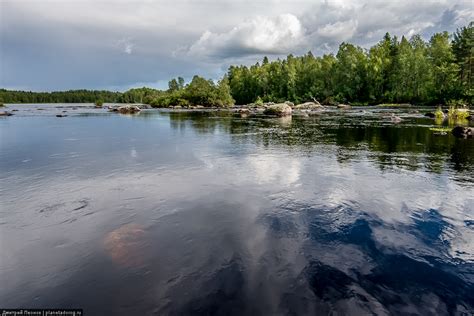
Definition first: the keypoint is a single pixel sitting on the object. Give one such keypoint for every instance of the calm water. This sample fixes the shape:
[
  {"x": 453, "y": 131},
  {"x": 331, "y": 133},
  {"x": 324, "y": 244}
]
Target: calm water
[{"x": 179, "y": 213}]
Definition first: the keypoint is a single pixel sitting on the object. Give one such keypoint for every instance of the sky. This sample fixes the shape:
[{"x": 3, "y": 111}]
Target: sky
[{"x": 49, "y": 45}]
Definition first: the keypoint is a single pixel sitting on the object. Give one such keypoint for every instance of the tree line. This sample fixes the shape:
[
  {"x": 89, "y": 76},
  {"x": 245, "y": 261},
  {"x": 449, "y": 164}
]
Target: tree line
[
  {"x": 392, "y": 71},
  {"x": 395, "y": 71},
  {"x": 71, "y": 96}
]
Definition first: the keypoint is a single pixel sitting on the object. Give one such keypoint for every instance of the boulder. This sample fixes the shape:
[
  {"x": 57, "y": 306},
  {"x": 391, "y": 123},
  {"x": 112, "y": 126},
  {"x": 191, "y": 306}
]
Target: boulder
[
  {"x": 290, "y": 103},
  {"x": 344, "y": 106},
  {"x": 463, "y": 132},
  {"x": 128, "y": 109},
  {"x": 244, "y": 112},
  {"x": 308, "y": 106},
  {"x": 280, "y": 109},
  {"x": 5, "y": 113}
]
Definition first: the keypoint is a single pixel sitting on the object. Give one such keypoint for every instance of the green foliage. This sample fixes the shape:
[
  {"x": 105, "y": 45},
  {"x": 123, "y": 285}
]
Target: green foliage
[
  {"x": 71, "y": 96},
  {"x": 198, "y": 92},
  {"x": 99, "y": 103},
  {"x": 463, "y": 50},
  {"x": 139, "y": 95},
  {"x": 392, "y": 71}
]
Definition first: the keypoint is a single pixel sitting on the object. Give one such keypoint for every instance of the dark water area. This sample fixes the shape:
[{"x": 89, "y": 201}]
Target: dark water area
[{"x": 207, "y": 213}]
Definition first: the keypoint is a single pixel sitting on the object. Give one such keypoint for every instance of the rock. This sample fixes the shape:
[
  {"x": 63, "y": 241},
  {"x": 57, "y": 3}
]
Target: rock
[
  {"x": 128, "y": 109},
  {"x": 5, "y": 113},
  {"x": 344, "y": 106},
  {"x": 395, "y": 119},
  {"x": 463, "y": 132},
  {"x": 430, "y": 115},
  {"x": 199, "y": 106},
  {"x": 244, "y": 112},
  {"x": 308, "y": 106},
  {"x": 290, "y": 103},
  {"x": 280, "y": 109},
  {"x": 14, "y": 110},
  {"x": 61, "y": 115}
]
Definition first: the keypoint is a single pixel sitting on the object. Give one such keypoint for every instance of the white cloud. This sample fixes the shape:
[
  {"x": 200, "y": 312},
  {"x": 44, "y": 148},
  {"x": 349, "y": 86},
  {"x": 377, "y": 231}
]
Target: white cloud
[
  {"x": 136, "y": 41},
  {"x": 340, "y": 31},
  {"x": 125, "y": 45},
  {"x": 260, "y": 35}
]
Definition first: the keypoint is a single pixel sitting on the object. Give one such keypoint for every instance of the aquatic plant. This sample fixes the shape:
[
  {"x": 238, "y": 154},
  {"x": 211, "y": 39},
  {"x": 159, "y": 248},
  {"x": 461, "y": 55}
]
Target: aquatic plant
[
  {"x": 457, "y": 113},
  {"x": 258, "y": 101},
  {"x": 440, "y": 129},
  {"x": 439, "y": 113}
]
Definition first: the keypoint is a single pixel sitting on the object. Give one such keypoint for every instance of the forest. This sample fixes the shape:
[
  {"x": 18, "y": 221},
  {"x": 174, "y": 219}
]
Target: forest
[{"x": 439, "y": 71}]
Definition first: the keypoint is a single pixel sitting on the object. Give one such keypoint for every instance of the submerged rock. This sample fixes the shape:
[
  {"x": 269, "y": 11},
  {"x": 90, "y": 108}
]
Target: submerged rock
[
  {"x": 61, "y": 115},
  {"x": 280, "y": 109},
  {"x": 125, "y": 245},
  {"x": 395, "y": 119},
  {"x": 463, "y": 132},
  {"x": 308, "y": 106},
  {"x": 244, "y": 112},
  {"x": 430, "y": 115},
  {"x": 5, "y": 113}
]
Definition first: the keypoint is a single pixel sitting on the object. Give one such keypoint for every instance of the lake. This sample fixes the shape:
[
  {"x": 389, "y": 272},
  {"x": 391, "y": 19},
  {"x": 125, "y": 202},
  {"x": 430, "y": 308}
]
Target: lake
[{"x": 208, "y": 213}]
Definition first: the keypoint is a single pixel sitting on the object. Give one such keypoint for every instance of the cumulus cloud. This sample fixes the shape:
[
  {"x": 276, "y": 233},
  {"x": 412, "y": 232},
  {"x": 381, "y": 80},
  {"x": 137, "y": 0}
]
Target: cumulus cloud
[
  {"x": 340, "y": 31},
  {"x": 260, "y": 35},
  {"x": 142, "y": 41}
]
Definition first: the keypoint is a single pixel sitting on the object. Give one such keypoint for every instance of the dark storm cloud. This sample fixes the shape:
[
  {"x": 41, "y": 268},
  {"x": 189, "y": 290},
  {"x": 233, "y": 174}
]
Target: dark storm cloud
[{"x": 51, "y": 45}]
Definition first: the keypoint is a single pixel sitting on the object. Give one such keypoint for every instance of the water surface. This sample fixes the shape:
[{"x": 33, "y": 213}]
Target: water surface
[{"x": 207, "y": 213}]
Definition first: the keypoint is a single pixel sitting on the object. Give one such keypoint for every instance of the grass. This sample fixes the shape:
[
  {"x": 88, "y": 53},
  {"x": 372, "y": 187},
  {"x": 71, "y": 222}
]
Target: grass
[{"x": 440, "y": 129}]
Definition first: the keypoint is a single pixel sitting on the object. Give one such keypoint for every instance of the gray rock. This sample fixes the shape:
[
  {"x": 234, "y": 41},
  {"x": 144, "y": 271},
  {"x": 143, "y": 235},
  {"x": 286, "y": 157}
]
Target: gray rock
[
  {"x": 5, "y": 113},
  {"x": 463, "y": 132},
  {"x": 280, "y": 109},
  {"x": 128, "y": 109},
  {"x": 308, "y": 106}
]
